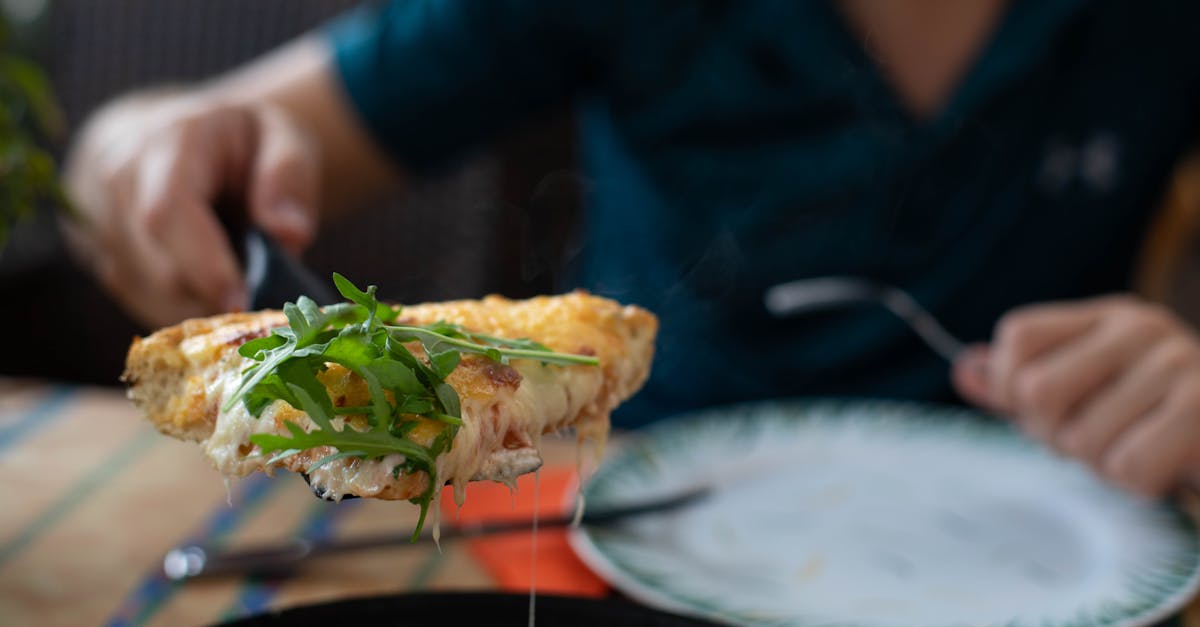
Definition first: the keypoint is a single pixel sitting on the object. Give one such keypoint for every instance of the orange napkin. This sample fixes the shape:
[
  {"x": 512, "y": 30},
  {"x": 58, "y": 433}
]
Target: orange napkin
[{"x": 508, "y": 557}]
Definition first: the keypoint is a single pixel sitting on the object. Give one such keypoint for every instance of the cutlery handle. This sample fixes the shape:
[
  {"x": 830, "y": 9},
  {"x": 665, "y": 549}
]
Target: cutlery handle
[
  {"x": 273, "y": 276},
  {"x": 189, "y": 562},
  {"x": 192, "y": 561},
  {"x": 808, "y": 295}
]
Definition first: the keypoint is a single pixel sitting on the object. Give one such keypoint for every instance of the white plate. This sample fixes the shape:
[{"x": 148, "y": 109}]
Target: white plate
[{"x": 882, "y": 514}]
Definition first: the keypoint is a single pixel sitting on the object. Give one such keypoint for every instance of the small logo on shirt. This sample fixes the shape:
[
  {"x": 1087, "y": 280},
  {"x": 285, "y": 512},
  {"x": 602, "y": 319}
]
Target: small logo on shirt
[{"x": 1093, "y": 163}]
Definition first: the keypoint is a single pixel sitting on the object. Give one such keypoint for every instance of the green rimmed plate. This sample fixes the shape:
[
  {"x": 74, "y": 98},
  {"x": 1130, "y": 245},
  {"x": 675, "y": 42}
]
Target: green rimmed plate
[{"x": 880, "y": 514}]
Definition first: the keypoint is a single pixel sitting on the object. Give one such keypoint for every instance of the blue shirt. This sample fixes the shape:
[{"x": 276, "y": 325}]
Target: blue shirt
[{"x": 733, "y": 145}]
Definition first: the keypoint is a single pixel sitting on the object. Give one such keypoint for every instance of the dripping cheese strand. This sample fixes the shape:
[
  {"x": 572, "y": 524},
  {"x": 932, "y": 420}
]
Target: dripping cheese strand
[{"x": 537, "y": 482}]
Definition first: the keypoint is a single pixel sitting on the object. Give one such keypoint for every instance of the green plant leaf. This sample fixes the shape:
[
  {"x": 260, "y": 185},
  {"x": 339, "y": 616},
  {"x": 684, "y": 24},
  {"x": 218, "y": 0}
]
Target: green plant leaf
[
  {"x": 28, "y": 115},
  {"x": 336, "y": 456},
  {"x": 445, "y": 362},
  {"x": 253, "y": 348}
]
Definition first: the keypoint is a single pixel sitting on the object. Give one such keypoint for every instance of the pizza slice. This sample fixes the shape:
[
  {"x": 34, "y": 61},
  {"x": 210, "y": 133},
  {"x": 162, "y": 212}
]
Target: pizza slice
[{"x": 373, "y": 401}]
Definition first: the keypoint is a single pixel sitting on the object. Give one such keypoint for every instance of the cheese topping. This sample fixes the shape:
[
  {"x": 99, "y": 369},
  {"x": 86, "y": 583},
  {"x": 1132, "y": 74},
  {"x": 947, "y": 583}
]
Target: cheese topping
[
  {"x": 182, "y": 375},
  {"x": 498, "y": 440},
  {"x": 230, "y": 442}
]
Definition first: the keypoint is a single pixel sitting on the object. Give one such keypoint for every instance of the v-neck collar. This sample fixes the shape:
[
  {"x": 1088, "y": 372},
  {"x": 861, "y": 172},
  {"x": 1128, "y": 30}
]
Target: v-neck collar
[
  {"x": 1022, "y": 39},
  {"x": 1026, "y": 28}
]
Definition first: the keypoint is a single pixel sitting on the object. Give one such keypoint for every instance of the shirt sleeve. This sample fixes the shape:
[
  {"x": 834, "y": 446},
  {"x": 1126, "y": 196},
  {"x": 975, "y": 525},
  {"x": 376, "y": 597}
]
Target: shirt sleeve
[{"x": 432, "y": 78}]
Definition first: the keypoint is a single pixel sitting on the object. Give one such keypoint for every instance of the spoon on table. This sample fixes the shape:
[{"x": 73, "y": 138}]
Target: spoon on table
[{"x": 806, "y": 295}]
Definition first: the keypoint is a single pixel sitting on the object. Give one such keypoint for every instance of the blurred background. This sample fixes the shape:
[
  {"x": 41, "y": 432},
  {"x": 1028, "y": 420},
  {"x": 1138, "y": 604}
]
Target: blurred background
[
  {"x": 498, "y": 222},
  {"x": 503, "y": 220}
]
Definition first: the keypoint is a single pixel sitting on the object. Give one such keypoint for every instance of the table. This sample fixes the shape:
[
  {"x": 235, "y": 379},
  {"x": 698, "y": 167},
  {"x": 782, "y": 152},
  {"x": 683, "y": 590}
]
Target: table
[
  {"x": 97, "y": 497},
  {"x": 100, "y": 497}
]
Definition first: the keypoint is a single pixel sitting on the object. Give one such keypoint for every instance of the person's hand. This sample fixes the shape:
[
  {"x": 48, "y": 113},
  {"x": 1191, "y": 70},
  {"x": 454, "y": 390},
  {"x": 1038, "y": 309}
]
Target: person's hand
[
  {"x": 1112, "y": 381},
  {"x": 145, "y": 174}
]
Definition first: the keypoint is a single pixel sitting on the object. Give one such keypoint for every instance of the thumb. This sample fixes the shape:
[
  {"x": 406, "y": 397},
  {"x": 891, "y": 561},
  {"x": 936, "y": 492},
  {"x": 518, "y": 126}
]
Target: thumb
[
  {"x": 283, "y": 188},
  {"x": 970, "y": 376}
]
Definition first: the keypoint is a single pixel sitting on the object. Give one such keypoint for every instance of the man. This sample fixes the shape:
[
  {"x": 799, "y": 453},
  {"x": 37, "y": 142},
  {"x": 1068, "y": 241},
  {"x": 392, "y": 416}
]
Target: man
[{"x": 997, "y": 159}]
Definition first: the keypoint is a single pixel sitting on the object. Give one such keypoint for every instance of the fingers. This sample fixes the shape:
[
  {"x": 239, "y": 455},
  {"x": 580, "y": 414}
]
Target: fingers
[
  {"x": 1150, "y": 456},
  {"x": 1114, "y": 382},
  {"x": 1023, "y": 336},
  {"x": 1116, "y": 407},
  {"x": 152, "y": 306},
  {"x": 284, "y": 183},
  {"x": 127, "y": 176},
  {"x": 1051, "y": 387},
  {"x": 181, "y": 245},
  {"x": 970, "y": 375},
  {"x": 145, "y": 180},
  {"x": 199, "y": 257}
]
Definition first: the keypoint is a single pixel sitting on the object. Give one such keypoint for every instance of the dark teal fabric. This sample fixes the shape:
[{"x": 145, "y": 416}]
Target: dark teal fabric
[{"x": 733, "y": 145}]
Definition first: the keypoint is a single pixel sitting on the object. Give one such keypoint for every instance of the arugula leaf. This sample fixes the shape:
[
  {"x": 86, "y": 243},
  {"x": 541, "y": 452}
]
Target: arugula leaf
[
  {"x": 380, "y": 406},
  {"x": 319, "y": 411},
  {"x": 359, "y": 336},
  {"x": 448, "y": 398},
  {"x": 448, "y": 419},
  {"x": 414, "y": 405},
  {"x": 366, "y": 300},
  {"x": 335, "y": 457},
  {"x": 373, "y": 444},
  {"x": 395, "y": 376},
  {"x": 444, "y": 362},
  {"x": 478, "y": 345},
  {"x": 252, "y": 348},
  {"x": 351, "y": 292}
]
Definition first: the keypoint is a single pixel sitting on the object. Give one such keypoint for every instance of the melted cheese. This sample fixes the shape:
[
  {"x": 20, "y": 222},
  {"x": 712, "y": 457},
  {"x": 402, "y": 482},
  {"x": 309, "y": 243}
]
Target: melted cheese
[
  {"x": 537, "y": 483},
  {"x": 231, "y": 452},
  {"x": 505, "y": 410},
  {"x": 230, "y": 442},
  {"x": 478, "y": 452}
]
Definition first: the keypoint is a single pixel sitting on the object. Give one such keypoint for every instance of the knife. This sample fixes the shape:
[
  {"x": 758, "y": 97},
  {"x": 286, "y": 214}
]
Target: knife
[
  {"x": 273, "y": 276},
  {"x": 192, "y": 561}
]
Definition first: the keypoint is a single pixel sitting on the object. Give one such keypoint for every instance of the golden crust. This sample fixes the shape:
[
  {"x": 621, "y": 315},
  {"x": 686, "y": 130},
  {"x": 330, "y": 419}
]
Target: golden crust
[
  {"x": 170, "y": 373},
  {"x": 168, "y": 384}
]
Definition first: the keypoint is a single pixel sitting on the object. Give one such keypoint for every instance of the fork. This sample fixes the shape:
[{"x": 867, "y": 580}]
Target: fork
[{"x": 807, "y": 295}]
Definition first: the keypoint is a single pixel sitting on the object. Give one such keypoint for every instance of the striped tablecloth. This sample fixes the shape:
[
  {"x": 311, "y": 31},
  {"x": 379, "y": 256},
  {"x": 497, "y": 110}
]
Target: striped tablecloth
[{"x": 94, "y": 497}]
